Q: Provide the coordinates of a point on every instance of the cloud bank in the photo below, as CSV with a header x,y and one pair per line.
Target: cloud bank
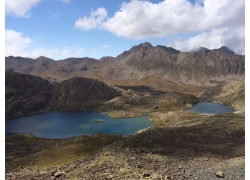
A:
x,y
232,38
210,21
20,8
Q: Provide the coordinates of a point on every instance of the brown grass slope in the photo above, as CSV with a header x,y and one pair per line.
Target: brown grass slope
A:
x,y
231,93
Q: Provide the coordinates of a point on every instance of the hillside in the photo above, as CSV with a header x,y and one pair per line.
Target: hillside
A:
x,y
82,94
231,93
28,94
142,63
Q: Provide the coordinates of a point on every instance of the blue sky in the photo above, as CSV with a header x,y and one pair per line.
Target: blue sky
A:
x,y
59,29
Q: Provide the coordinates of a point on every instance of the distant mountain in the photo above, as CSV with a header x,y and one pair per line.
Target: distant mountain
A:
x,y
199,49
142,63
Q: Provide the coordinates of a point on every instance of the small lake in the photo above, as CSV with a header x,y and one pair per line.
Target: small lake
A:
x,y
211,108
59,124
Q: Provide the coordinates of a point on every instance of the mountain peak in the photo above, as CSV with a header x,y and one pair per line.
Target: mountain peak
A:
x,y
42,58
147,44
225,49
199,49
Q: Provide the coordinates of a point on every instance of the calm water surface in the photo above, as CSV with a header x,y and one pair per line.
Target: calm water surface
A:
x,y
58,124
211,108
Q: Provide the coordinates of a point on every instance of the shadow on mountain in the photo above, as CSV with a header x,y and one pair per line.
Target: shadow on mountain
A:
x,y
220,135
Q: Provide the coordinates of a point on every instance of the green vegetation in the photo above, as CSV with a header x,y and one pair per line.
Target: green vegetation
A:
x,y
32,152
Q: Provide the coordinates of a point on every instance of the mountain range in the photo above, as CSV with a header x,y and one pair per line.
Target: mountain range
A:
x,y
141,64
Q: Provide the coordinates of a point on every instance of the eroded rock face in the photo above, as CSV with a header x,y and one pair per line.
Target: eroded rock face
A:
x,y
201,66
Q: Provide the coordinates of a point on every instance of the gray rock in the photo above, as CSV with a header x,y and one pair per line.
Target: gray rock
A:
x,y
156,107
220,174
146,175
58,174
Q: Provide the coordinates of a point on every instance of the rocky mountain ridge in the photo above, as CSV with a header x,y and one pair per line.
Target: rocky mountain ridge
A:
x,y
200,67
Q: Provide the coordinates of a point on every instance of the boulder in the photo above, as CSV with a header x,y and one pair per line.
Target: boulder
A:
x,y
220,174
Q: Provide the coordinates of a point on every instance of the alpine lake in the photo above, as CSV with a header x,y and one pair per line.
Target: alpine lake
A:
x,y
63,124
208,108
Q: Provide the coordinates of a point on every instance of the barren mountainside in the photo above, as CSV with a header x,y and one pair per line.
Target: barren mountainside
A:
x,y
28,94
199,67
231,93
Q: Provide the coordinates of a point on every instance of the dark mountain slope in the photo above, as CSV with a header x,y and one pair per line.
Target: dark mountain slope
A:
x,y
26,94
225,49
82,94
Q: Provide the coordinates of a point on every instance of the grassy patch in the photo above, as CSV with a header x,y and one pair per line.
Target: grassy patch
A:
x,y
51,152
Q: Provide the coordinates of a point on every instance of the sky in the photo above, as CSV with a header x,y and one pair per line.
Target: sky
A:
x,y
60,29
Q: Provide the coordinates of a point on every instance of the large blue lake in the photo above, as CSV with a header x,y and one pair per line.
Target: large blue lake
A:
x,y
58,124
211,108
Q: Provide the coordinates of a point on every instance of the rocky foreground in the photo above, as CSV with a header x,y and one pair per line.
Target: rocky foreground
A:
x,y
191,147
182,145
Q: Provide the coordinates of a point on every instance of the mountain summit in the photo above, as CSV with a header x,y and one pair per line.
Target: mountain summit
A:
x,y
225,49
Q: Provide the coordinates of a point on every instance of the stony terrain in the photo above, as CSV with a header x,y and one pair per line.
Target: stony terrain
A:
x,y
182,145
196,150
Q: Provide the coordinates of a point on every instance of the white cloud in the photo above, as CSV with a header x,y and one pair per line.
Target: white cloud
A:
x,y
17,45
19,8
218,20
93,21
232,38
106,46
142,19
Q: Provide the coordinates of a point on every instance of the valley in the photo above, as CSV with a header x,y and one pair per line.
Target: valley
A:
x,y
160,82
